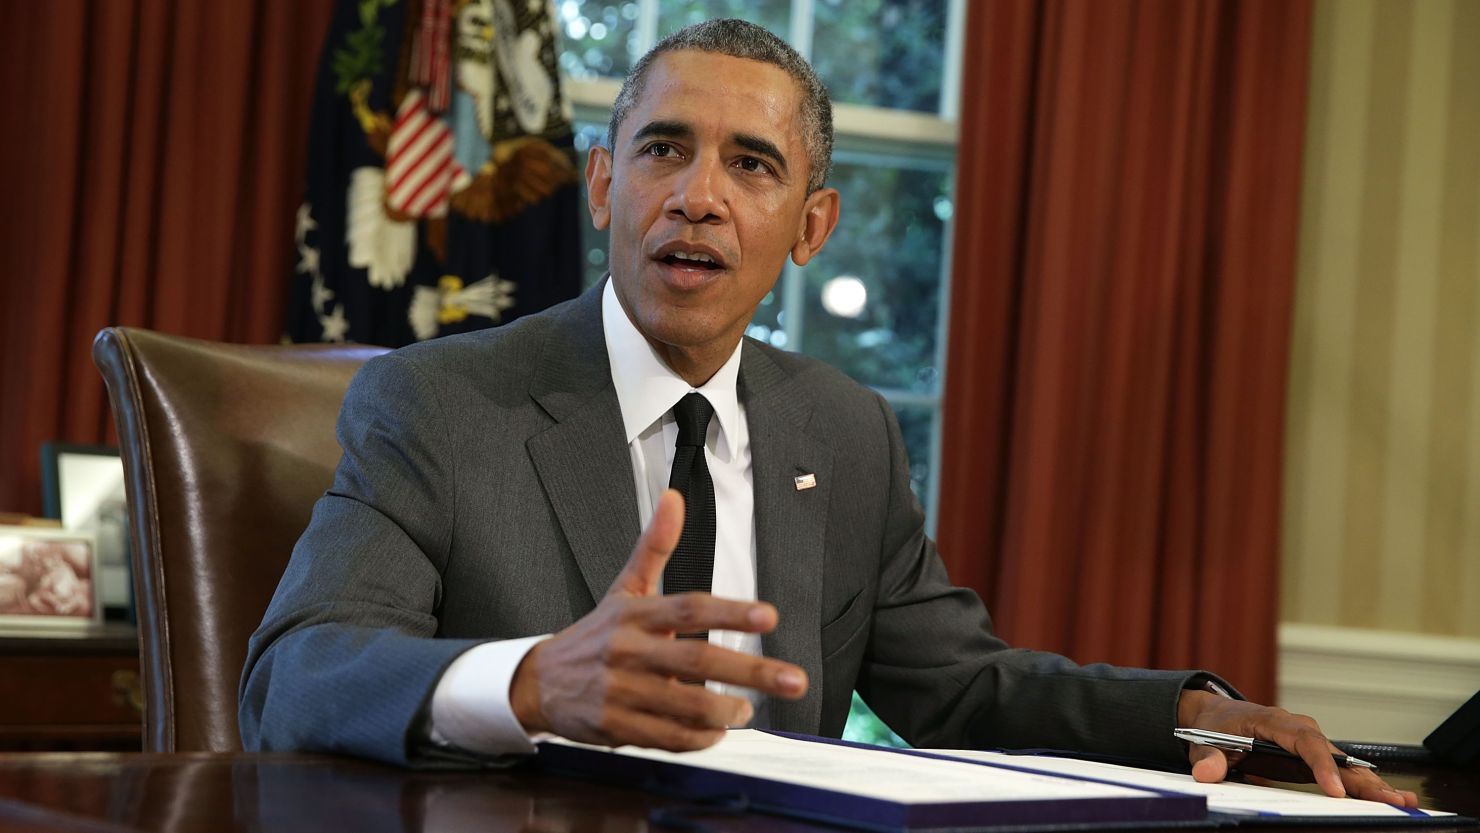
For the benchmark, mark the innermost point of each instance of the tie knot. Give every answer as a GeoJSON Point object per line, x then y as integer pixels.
{"type": "Point", "coordinates": [692, 413]}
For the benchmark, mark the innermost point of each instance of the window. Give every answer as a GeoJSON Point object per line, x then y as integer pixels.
{"type": "Point", "coordinates": [874, 302]}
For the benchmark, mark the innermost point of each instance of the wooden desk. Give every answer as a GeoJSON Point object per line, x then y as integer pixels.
{"type": "Point", "coordinates": [272, 793]}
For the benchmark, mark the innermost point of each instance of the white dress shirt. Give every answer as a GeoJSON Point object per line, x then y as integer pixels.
{"type": "Point", "coordinates": [470, 705]}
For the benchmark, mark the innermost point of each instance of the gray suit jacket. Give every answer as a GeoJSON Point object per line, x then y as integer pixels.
{"type": "Point", "coordinates": [486, 493]}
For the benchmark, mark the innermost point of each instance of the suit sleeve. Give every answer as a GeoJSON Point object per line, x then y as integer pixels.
{"type": "Point", "coordinates": [345, 660]}
{"type": "Point", "coordinates": [936, 673]}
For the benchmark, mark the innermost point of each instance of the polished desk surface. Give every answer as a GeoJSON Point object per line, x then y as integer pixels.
{"type": "Point", "coordinates": [277, 792]}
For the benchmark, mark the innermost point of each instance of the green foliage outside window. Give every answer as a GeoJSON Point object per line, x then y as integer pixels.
{"type": "Point", "coordinates": [865, 727]}
{"type": "Point", "coordinates": [883, 53]}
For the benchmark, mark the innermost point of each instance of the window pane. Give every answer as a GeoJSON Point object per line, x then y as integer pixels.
{"type": "Point", "coordinates": [766, 325]}
{"type": "Point", "coordinates": [593, 242]}
{"type": "Point", "coordinates": [775, 15]}
{"type": "Point", "coordinates": [598, 37]}
{"type": "Point", "coordinates": [884, 53]}
{"type": "Point", "coordinates": [917, 424]}
{"type": "Point", "coordinates": [873, 294]}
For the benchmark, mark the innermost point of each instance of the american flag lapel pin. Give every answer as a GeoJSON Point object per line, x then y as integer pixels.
{"type": "Point", "coordinates": [805, 481]}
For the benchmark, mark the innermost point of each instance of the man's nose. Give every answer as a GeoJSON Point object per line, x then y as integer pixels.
{"type": "Point", "coordinates": [699, 193]}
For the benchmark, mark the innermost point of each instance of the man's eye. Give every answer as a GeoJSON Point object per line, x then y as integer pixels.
{"type": "Point", "coordinates": [660, 149]}
{"type": "Point", "coordinates": [751, 164]}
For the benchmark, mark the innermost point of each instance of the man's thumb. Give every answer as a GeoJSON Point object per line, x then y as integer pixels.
{"type": "Point", "coordinates": [644, 570]}
{"type": "Point", "coordinates": [1209, 765]}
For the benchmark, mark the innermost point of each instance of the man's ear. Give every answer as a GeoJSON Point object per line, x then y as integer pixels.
{"type": "Point", "coordinates": [599, 186]}
{"type": "Point", "coordinates": [819, 218]}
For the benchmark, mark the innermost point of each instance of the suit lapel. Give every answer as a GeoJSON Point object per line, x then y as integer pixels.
{"type": "Point", "coordinates": [790, 524]}
{"type": "Point", "coordinates": [582, 460]}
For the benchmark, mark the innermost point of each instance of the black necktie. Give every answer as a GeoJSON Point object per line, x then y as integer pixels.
{"type": "Point", "coordinates": [692, 565]}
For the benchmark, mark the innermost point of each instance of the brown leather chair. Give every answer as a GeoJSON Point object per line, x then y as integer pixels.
{"type": "Point", "coordinates": [225, 449]}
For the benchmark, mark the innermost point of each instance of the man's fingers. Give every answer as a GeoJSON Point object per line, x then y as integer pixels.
{"type": "Point", "coordinates": [640, 728]}
{"type": "Point", "coordinates": [1312, 761]}
{"type": "Point", "coordinates": [693, 659]}
{"type": "Point", "coordinates": [644, 571]}
{"type": "Point", "coordinates": [1315, 750]}
{"type": "Point", "coordinates": [692, 705]}
{"type": "Point", "coordinates": [693, 612]}
{"type": "Point", "coordinates": [1366, 784]}
{"type": "Point", "coordinates": [640, 648]}
{"type": "Point", "coordinates": [1209, 765]}
{"type": "Point", "coordinates": [1298, 734]}
{"type": "Point", "coordinates": [1361, 782]}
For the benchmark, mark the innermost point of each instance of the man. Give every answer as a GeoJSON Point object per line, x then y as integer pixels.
{"type": "Point", "coordinates": [492, 486]}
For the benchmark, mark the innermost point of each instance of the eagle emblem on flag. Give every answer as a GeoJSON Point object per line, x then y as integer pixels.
{"type": "Point", "coordinates": [442, 190]}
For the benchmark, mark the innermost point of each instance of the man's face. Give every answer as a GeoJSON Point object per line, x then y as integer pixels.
{"type": "Point", "coordinates": [706, 196]}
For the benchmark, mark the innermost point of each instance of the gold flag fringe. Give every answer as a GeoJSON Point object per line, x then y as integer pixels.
{"type": "Point", "coordinates": [377, 126]}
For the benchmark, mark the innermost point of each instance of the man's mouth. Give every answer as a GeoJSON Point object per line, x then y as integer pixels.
{"type": "Point", "coordinates": [697, 261]}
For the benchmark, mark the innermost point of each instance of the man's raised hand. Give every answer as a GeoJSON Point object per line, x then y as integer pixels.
{"type": "Point", "coordinates": [612, 678]}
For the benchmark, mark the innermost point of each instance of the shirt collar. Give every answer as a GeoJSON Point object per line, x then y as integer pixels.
{"type": "Point", "coordinates": [647, 388]}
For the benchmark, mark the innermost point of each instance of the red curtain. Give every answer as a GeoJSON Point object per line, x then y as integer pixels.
{"type": "Point", "coordinates": [154, 160]}
{"type": "Point", "coordinates": [1126, 218]}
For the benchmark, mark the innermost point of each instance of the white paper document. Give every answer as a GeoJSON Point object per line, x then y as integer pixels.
{"type": "Point", "coordinates": [1235, 799]}
{"type": "Point", "coordinates": [961, 778]}
{"type": "Point", "coordinates": [876, 773]}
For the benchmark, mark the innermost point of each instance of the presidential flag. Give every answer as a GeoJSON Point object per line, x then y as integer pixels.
{"type": "Point", "coordinates": [442, 186]}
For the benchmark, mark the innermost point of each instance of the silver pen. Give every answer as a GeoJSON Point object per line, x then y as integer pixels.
{"type": "Point", "coordinates": [1239, 743]}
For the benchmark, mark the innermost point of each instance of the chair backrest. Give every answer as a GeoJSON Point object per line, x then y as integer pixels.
{"type": "Point", "coordinates": [225, 449]}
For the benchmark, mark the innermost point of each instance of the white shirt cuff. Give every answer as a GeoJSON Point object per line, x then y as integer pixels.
{"type": "Point", "coordinates": [470, 705]}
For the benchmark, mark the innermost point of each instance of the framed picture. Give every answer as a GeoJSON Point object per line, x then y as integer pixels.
{"type": "Point", "coordinates": [46, 577]}
{"type": "Point", "coordinates": [82, 485]}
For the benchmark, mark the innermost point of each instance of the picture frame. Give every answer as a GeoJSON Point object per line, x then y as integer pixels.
{"type": "Point", "coordinates": [47, 578]}
{"type": "Point", "coordinates": [83, 487]}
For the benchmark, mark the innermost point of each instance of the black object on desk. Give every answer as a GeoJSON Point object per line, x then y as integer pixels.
{"type": "Point", "coordinates": [1383, 754]}
{"type": "Point", "coordinates": [1457, 740]}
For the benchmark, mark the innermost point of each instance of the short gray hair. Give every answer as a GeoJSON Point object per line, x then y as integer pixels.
{"type": "Point", "coordinates": [739, 39]}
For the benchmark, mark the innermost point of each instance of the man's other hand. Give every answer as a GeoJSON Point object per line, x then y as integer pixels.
{"type": "Point", "coordinates": [612, 678]}
{"type": "Point", "coordinates": [1294, 732]}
